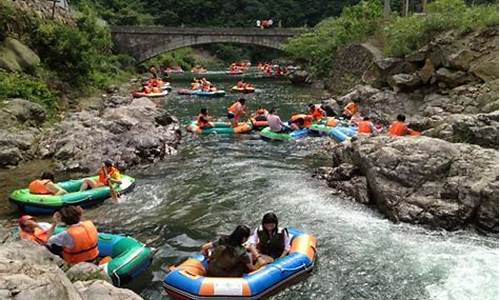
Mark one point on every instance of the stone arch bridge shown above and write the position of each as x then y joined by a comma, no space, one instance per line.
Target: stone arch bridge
144,42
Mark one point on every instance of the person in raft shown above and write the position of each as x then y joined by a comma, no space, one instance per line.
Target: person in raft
203,120
297,122
31,230
45,185
350,109
400,128
78,243
107,174
261,114
227,257
236,111
270,241
366,127
316,111
275,123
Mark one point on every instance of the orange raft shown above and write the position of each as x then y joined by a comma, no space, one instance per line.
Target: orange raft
188,280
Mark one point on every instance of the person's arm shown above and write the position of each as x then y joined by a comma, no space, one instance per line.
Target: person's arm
56,217
115,178
374,129
206,247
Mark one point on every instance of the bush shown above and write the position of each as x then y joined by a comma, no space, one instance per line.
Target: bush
317,49
406,34
16,85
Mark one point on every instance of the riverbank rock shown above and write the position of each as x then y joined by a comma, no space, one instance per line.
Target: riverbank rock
26,112
299,77
29,271
129,131
422,180
17,57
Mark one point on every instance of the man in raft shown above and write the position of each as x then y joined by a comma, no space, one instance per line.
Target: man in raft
203,120
275,124
78,243
107,174
46,186
300,121
236,111
366,127
261,114
400,128
30,230
350,109
316,111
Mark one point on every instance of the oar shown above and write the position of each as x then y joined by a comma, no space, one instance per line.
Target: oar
114,194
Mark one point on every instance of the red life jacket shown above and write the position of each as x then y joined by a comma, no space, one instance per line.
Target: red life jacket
398,129
39,187
365,127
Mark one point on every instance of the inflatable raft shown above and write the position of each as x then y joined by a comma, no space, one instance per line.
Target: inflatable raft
188,280
245,90
215,94
150,95
342,133
185,91
47,204
220,128
267,134
129,257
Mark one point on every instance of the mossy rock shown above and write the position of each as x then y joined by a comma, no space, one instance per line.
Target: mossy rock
17,57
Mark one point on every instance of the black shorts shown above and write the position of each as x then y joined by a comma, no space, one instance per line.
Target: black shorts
230,115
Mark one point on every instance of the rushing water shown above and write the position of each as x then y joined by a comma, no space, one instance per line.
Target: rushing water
218,182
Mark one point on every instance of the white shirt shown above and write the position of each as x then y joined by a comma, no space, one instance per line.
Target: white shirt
254,238
62,239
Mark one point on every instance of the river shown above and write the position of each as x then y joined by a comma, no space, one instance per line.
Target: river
218,182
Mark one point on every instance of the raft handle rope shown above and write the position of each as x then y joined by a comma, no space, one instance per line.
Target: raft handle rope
301,267
80,200
135,255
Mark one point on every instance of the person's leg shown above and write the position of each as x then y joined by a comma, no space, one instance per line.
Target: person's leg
87,183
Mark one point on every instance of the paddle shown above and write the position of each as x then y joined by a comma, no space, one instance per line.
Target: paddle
114,194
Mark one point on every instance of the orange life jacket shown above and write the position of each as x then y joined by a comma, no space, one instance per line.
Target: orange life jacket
317,112
38,236
332,122
365,127
307,119
102,176
235,109
201,121
350,109
39,187
398,128
85,240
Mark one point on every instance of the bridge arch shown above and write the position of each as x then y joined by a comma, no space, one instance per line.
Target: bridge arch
146,42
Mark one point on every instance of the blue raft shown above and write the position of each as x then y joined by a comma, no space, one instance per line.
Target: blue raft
340,134
188,280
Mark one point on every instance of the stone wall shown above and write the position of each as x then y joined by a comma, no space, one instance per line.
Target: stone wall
46,9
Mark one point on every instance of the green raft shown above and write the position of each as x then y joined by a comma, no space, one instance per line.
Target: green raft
130,258
267,134
220,128
46,204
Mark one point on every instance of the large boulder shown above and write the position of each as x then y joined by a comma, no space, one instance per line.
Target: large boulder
102,290
17,57
299,77
400,82
429,181
26,111
29,271
128,131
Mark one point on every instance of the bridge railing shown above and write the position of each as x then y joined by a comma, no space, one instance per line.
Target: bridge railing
207,30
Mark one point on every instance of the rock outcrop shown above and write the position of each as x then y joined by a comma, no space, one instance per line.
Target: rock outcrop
29,271
129,131
420,180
